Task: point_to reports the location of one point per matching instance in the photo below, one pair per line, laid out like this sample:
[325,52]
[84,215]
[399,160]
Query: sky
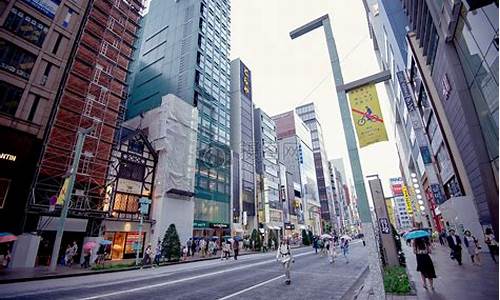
[287,73]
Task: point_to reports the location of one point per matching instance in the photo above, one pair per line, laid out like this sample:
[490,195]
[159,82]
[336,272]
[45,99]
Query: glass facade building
[185,51]
[309,114]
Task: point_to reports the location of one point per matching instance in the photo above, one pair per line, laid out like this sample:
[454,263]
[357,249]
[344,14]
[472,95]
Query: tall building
[334,175]
[309,114]
[242,144]
[450,71]
[403,217]
[92,96]
[270,208]
[36,46]
[343,195]
[296,152]
[185,52]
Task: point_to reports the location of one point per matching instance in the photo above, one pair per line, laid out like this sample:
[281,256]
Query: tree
[171,245]
[305,238]
[256,239]
[310,235]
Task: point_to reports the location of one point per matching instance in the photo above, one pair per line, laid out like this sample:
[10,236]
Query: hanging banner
[367,115]
[406,196]
[62,192]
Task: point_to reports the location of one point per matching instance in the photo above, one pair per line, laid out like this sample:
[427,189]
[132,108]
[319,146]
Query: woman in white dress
[285,256]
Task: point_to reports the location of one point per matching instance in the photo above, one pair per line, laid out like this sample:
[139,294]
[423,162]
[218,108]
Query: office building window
[126,203]
[131,170]
[26,27]
[16,60]
[10,96]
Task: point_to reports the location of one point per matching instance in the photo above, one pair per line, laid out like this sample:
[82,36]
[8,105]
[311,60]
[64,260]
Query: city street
[256,276]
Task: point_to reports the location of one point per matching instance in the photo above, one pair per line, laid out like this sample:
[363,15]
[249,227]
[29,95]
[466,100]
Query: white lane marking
[183,279]
[146,274]
[251,288]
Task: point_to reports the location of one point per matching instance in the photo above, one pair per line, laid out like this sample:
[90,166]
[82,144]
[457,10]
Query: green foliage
[327,227]
[112,266]
[305,238]
[256,239]
[171,245]
[396,281]
[311,237]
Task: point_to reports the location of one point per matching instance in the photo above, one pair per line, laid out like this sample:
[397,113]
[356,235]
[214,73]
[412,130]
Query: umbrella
[237,238]
[89,245]
[346,237]
[416,234]
[326,236]
[6,237]
[214,238]
[105,242]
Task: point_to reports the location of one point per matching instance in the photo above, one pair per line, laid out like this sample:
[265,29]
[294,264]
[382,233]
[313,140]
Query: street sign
[385,228]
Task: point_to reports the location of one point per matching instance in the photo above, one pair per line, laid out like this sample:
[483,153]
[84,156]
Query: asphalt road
[256,276]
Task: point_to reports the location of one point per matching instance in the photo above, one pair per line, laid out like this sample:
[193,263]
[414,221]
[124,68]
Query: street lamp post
[67,197]
[375,275]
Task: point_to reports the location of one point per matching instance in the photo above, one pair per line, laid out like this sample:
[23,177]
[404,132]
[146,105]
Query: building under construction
[93,95]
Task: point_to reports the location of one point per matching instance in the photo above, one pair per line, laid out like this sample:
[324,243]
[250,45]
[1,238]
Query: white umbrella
[326,236]
[346,237]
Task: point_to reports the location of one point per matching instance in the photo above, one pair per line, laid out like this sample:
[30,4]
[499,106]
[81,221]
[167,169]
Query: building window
[131,170]
[26,27]
[4,190]
[126,203]
[10,96]
[34,106]
[67,18]
[16,60]
[136,147]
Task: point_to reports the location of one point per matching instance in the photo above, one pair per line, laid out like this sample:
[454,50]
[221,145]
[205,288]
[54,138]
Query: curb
[357,285]
[56,276]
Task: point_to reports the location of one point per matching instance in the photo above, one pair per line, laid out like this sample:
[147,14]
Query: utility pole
[144,209]
[67,197]
[375,274]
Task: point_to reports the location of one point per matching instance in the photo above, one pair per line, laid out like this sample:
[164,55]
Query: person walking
[158,254]
[455,245]
[285,255]
[67,256]
[315,245]
[236,248]
[424,262]
[188,246]
[441,238]
[226,250]
[345,249]
[471,243]
[74,252]
[147,256]
[87,253]
[193,247]
[202,248]
[6,259]
[332,253]
[490,241]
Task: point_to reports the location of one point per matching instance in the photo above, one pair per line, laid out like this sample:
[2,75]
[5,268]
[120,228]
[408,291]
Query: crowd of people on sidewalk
[423,246]
[211,247]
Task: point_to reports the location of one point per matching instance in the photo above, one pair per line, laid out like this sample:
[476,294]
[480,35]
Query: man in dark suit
[455,245]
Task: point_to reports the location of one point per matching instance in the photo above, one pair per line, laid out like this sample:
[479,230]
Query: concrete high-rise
[242,145]
[185,52]
[270,208]
[309,114]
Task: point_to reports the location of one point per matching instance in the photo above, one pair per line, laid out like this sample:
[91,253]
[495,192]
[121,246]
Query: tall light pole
[67,197]
[375,274]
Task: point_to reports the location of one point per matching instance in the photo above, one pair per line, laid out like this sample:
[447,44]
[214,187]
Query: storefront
[124,236]
[204,228]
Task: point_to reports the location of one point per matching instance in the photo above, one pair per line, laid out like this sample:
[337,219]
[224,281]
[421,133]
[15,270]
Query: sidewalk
[453,281]
[43,272]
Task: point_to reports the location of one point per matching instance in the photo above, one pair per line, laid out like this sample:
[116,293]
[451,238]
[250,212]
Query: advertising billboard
[46,7]
[245,81]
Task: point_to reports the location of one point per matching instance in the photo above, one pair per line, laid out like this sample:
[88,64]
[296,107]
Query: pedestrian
[67,256]
[87,253]
[490,241]
[202,248]
[424,262]
[455,245]
[273,245]
[188,246]
[344,245]
[315,245]
[6,259]
[158,254]
[74,252]
[193,247]
[146,260]
[226,250]
[236,248]
[332,253]
[441,238]
[285,255]
[471,243]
